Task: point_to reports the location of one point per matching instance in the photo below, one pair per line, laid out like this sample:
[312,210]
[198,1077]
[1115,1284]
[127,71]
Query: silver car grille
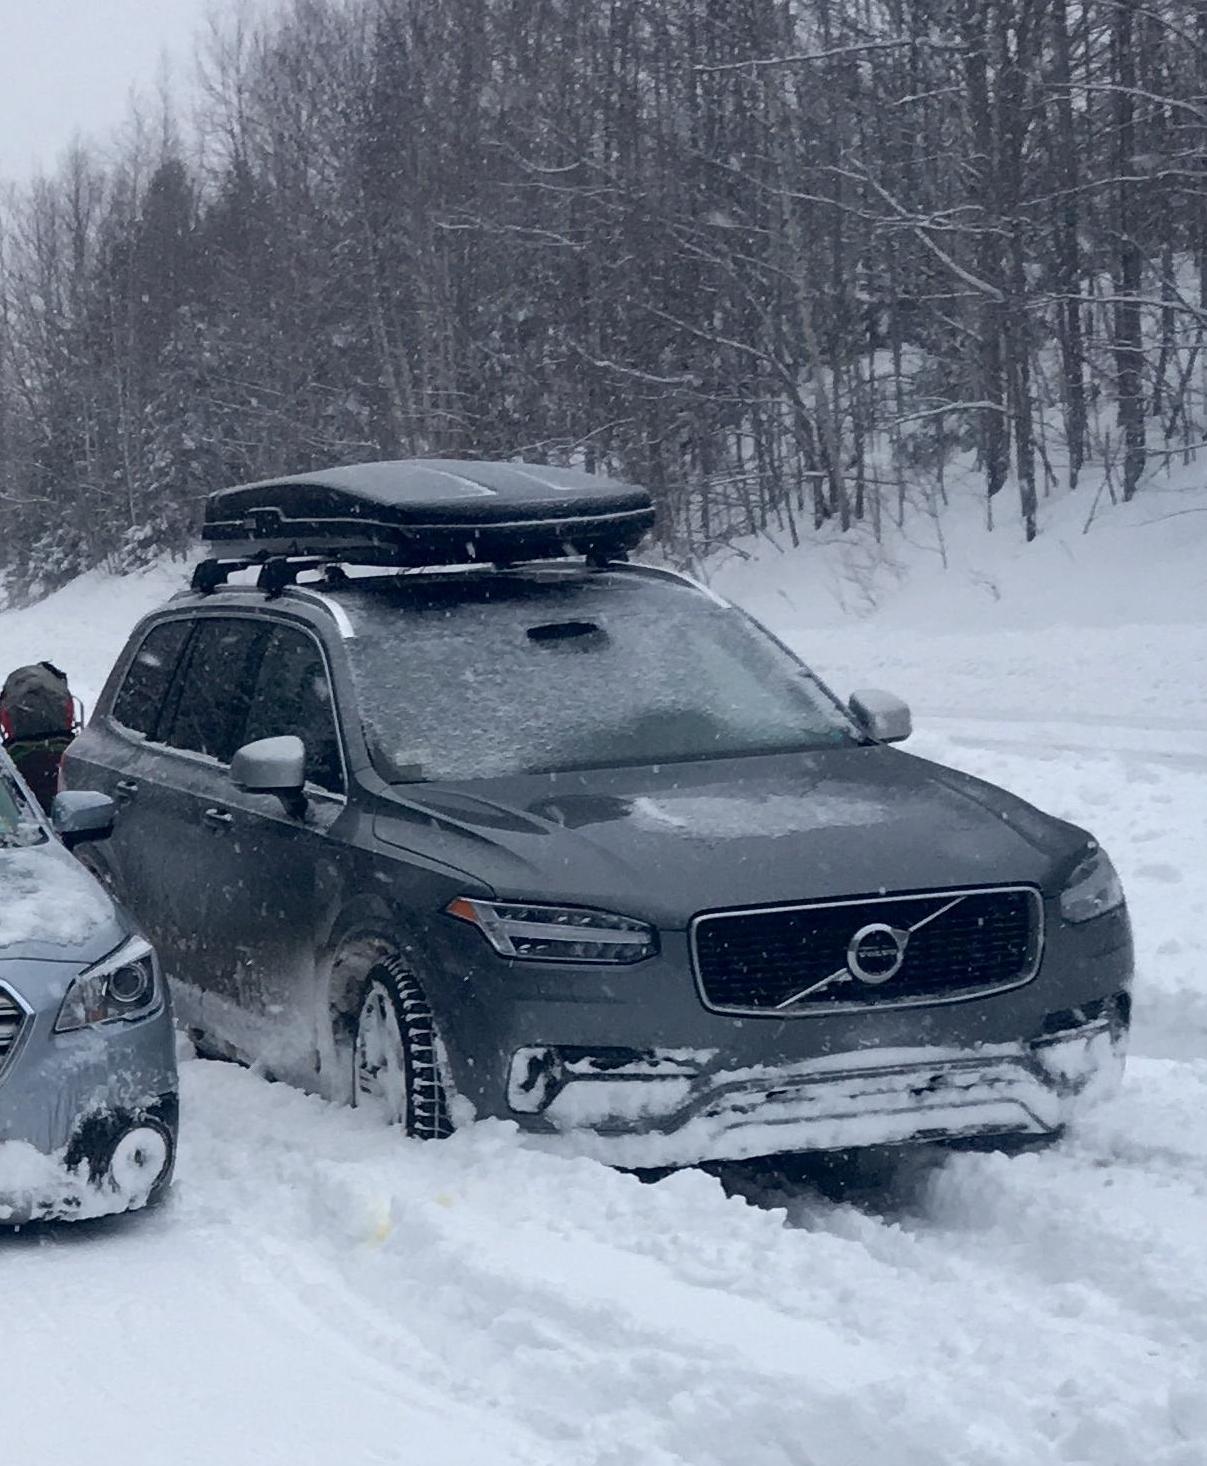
[12,1020]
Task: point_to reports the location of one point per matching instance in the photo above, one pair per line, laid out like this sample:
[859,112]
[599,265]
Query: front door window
[292,695]
[213,693]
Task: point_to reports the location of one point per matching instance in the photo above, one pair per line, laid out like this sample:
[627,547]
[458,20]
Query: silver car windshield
[19,825]
[570,676]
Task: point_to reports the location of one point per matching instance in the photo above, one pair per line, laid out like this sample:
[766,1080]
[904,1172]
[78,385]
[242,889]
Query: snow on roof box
[428,511]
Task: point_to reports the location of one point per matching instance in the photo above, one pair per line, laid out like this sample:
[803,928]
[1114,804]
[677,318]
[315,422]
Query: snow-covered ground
[319,1292]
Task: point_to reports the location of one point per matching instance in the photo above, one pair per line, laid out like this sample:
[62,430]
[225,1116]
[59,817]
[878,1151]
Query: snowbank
[1106,628]
[82,627]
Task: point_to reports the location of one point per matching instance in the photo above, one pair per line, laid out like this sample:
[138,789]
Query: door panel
[260,931]
[271,921]
[199,729]
[235,891]
[116,754]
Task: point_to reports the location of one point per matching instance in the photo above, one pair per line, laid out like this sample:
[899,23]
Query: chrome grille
[12,1020]
[940,946]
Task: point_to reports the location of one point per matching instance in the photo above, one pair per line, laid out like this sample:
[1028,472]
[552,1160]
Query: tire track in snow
[590,1343]
[671,1324]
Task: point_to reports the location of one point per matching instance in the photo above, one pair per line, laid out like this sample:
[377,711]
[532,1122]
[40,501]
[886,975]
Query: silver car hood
[53,910]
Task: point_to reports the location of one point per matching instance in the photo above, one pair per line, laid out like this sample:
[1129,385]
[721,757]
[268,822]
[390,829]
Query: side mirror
[270,766]
[884,716]
[79,815]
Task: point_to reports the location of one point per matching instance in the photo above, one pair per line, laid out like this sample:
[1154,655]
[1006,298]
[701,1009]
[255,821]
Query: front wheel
[395,1064]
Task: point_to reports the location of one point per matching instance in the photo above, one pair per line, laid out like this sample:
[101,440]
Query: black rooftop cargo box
[428,511]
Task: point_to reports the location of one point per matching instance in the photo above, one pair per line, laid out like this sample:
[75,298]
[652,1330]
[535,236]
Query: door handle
[218,819]
[126,788]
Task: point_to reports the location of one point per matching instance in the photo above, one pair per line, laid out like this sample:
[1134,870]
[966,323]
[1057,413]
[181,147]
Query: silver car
[88,1090]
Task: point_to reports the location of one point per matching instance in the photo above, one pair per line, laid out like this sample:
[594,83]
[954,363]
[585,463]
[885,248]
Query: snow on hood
[769,816]
[46,898]
[666,842]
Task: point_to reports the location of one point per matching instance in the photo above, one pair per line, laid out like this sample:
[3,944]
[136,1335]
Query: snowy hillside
[319,1292]
[1105,626]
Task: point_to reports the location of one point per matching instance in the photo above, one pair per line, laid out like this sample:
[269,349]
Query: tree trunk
[1129,352]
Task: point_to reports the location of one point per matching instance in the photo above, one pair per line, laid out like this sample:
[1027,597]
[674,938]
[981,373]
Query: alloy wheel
[381,1082]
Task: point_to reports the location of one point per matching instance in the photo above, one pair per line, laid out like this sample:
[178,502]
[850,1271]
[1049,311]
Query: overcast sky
[68,66]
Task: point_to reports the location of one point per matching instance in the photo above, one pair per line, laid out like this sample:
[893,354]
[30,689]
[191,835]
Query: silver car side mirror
[78,815]
[884,716]
[270,766]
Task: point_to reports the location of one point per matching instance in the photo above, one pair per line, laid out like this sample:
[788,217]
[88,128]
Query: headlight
[124,986]
[1091,890]
[557,933]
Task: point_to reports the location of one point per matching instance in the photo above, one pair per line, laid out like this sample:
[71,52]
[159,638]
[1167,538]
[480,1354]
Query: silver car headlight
[124,986]
[1092,890]
[557,933]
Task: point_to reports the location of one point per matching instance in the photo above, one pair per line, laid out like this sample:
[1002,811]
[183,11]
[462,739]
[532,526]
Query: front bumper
[117,1160]
[629,1066]
[670,1109]
[88,1120]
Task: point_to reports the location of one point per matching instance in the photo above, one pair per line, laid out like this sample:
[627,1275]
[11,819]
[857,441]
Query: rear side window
[141,694]
[213,692]
[293,696]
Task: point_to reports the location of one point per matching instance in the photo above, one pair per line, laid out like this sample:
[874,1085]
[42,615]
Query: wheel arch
[370,932]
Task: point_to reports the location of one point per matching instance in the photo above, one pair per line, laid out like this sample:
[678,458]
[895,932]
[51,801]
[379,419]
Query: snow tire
[396,1061]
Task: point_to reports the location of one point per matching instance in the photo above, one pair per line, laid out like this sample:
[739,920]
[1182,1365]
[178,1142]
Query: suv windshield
[19,825]
[525,676]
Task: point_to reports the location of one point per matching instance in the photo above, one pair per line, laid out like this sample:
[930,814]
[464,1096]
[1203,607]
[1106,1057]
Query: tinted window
[293,696]
[214,690]
[141,694]
[463,682]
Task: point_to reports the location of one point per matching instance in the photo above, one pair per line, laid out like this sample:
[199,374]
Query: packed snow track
[318,1291]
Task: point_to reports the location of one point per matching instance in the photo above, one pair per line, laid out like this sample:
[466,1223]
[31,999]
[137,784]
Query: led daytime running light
[529,932]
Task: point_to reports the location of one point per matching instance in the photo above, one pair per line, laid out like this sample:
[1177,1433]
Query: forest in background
[783,261]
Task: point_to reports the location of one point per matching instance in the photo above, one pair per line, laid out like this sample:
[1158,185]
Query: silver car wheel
[381,1080]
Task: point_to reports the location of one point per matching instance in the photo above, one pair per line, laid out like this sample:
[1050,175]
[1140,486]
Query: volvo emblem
[875,953]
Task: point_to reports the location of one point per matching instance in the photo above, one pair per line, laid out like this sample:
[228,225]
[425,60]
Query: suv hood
[52,910]
[664,843]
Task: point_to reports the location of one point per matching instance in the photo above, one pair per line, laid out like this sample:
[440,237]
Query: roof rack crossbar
[276,572]
[281,570]
[210,574]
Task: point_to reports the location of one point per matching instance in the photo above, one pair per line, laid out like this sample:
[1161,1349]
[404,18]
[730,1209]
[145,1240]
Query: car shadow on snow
[891,1183]
[82,1231]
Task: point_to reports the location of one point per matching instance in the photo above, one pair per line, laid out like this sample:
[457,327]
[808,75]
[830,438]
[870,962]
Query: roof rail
[664,572]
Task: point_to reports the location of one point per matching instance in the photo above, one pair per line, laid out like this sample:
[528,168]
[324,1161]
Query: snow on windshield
[462,682]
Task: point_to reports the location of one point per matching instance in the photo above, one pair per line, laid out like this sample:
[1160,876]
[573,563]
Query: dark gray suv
[577,844]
